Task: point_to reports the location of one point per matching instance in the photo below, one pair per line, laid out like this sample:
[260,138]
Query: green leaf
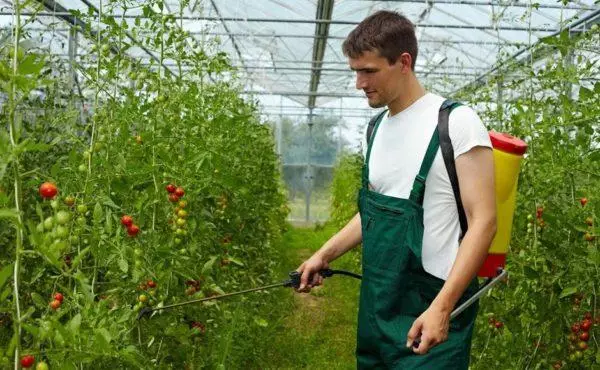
[261,322]
[123,265]
[11,214]
[4,274]
[567,292]
[74,324]
[209,264]
[98,213]
[38,300]
[236,261]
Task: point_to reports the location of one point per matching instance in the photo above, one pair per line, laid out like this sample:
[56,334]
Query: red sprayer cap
[507,143]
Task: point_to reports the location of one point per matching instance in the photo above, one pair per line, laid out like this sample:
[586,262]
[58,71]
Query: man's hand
[432,328]
[310,269]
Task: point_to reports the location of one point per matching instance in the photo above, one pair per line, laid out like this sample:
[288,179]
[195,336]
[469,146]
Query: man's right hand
[310,273]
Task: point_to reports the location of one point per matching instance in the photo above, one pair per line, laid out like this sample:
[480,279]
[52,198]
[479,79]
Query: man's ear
[405,61]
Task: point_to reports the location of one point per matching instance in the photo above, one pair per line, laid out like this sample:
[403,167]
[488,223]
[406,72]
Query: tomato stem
[17,181]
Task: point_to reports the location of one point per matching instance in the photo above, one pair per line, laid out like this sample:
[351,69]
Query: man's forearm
[471,255]
[347,238]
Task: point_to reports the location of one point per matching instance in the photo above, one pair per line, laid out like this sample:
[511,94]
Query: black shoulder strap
[372,124]
[448,155]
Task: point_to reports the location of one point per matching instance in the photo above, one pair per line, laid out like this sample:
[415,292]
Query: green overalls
[395,288]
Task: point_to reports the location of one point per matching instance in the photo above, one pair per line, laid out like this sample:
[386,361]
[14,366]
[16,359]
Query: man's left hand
[432,328]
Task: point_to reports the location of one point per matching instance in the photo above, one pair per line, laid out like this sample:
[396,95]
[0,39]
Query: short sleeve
[467,131]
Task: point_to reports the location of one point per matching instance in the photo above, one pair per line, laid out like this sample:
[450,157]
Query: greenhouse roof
[292,49]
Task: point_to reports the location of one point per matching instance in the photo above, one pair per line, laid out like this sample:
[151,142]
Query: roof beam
[491,3]
[575,27]
[324,11]
[305,21]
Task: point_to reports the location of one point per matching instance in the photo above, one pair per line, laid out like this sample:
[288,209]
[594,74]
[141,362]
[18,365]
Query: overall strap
[448,155]
[371,131]
[418,190]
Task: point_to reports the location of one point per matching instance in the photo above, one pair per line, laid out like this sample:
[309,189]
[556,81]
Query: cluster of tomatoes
[178,221]
[132,229]
[579,337]
[193,286]
[56,301]
[150,287]
[175,193]
[495,324]
[55,228]
[538,216]
[27,361]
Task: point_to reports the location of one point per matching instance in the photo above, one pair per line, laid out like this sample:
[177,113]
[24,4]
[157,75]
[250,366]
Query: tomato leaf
[123,265]
[5,273]
[98,213]
[209,264]
[567,292]
[236,261]
[74,324]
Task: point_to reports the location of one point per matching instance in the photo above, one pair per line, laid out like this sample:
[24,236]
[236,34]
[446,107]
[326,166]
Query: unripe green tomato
[54,204]
[63,217]
[138,263]
[62,232]
[49,223]
[82,168]
[177,241]
[73,239]
[529,217]
[182,213]
[82,208]
[81,220]
[42,366]
[181,222]
[179,231]
[59,245]
[86,154]
[133,76]
[183,251]
[40,227]
[143,298]
[138,252]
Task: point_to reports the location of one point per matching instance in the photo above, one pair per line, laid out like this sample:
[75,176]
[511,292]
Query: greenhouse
[166,166]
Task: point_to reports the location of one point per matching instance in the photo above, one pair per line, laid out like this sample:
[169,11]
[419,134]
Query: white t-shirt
[398,149]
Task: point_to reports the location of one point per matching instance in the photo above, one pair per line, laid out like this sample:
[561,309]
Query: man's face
[377,78]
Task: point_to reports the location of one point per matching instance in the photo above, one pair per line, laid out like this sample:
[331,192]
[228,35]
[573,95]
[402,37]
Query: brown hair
[388,32]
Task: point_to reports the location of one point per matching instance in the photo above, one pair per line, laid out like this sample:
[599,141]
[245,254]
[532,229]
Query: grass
[315,330]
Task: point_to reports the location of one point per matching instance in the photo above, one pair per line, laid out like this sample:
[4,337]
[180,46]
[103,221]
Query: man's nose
[361,82]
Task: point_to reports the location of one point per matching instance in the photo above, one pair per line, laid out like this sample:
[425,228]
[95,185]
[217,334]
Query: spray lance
[294,282]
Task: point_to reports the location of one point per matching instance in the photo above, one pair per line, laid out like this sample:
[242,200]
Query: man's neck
[412,92]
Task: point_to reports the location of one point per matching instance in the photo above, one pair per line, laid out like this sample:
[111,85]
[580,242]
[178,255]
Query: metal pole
[309,175]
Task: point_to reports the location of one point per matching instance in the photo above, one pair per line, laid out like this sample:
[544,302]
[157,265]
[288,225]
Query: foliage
[111,148]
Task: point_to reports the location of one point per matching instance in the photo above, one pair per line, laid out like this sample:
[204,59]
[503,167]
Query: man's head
[382,50]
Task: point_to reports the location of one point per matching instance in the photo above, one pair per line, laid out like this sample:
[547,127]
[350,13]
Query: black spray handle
[295,276]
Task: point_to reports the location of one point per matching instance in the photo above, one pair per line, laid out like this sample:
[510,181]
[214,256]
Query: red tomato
[27,360]
[173,198]
[48,190]
[575,328]
[59,297]
[585,336]
[151,284]
[586,325]
[133,230]
[126,220]
[55,304]
[583,201]
[179,192]
[170,188]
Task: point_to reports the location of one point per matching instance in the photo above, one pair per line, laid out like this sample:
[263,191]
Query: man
[416,269]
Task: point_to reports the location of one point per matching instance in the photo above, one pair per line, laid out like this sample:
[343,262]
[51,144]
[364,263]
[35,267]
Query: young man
[415,268]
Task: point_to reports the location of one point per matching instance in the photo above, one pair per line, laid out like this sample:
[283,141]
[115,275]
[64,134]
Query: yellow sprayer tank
[508,153]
